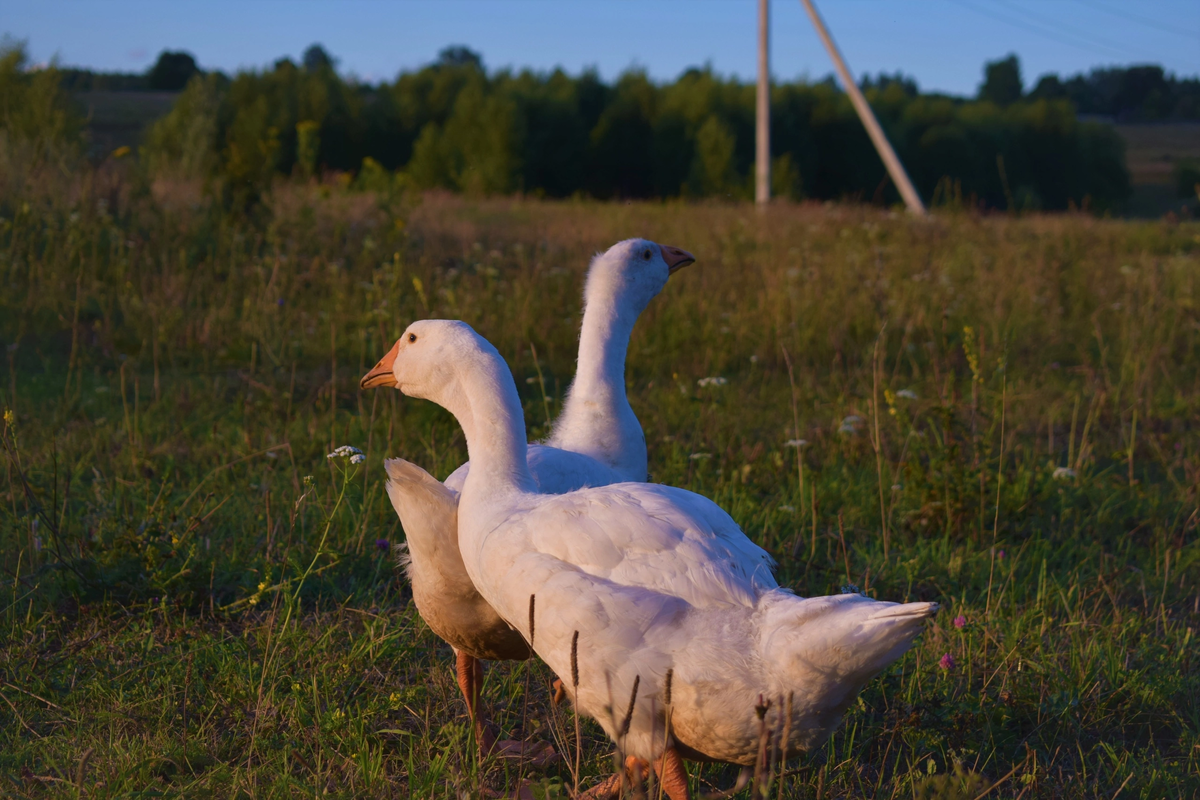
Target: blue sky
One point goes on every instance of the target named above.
(943, 43)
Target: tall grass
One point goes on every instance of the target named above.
(176, 375)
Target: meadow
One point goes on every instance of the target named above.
(996, 412)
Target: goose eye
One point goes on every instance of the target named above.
(646, 254)
(412, 337)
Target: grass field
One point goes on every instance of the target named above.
(1000, 414)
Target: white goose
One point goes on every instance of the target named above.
(597, 440)
(656, 580)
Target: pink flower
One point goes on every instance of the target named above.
(1000, 554)
(960, 622)
(947, 662)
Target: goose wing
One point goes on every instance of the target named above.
(655, 538)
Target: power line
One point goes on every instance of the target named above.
(1150, 23)
(1056, 35)
(1054, 24)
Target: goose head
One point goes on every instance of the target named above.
(631, 273)
(428, 360)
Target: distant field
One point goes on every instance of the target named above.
(1152, 152)
(177, 374)
(117, 119)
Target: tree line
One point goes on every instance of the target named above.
(453, 124)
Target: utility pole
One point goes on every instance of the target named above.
(762, 163)
(882, 145)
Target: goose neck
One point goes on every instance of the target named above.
(493, 421)
(603, 346)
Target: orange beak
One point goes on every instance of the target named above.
(676, 258)
(381, 373)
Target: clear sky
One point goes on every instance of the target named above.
(943, 43)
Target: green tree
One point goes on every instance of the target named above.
(172, 71)
(1002, 81)
(713, 172)
(315, 59)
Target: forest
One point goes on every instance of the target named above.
(456, 125)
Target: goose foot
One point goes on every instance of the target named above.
(670, 770)
(607, 789)
(536, 754)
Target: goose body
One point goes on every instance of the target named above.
(597, 440)
(655, 580)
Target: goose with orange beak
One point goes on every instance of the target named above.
(597, 440)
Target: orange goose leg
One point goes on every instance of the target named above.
(470, 681)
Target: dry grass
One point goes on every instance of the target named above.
(176, 372)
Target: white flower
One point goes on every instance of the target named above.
(1063, 473)
(907, 394)
(357, 458)
(345, 451)
(795, 443)
(787, 508)
(850, 424)
(711, 382)
(700, 456)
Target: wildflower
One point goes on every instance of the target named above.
(851, 588)
(382, 545)
(711, 382)
(787, 508)
(946, 662)
(896, 487)
(797, 443)
(1000, 555)
(357, 458)
(1063, 473)
(9, 417)
(960, 622)
(907, 394)
(279, 302)
(700, 456)
(308, 480)
(344, 451)
(850, 424)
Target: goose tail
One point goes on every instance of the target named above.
(823, 650)
(422, 503)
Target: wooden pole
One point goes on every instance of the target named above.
(884, 148)
(762, 171)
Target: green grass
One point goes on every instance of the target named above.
(186, 612)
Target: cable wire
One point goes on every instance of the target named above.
(1056, 35)
(1150, 23)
